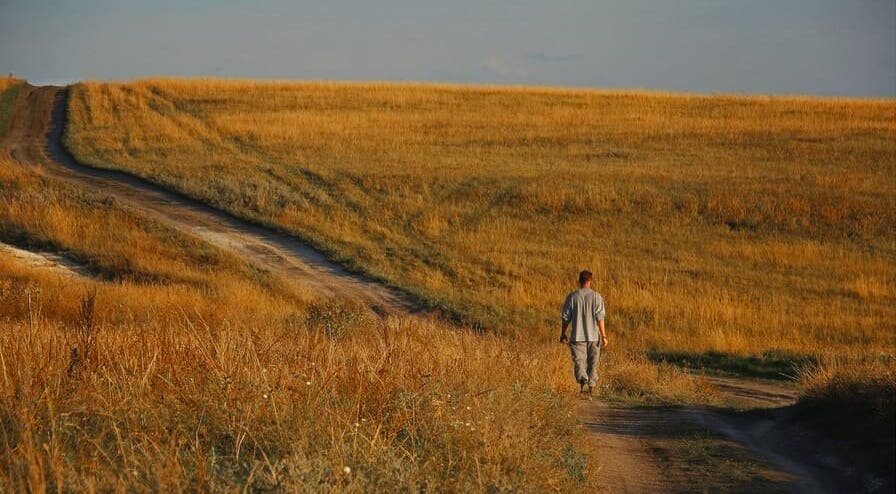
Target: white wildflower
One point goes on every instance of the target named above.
(347, 470)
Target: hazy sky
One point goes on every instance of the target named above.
(839, 47)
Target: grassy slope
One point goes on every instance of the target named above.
(737, 225)
(206, 374)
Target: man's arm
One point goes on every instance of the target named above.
(566, 317)
(599, 313)
(564, 338)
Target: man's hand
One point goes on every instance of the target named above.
(564, 338)
(604, 341)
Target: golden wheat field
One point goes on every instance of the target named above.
(725, 224)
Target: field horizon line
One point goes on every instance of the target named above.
(648, 92)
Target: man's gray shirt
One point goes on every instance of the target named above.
(582, 309)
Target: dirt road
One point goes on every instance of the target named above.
(34, 138)
(762, 428)
(44, 261)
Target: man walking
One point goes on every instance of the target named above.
(583, 310)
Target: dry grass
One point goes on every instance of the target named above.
(738, 225)
(174, 407)
(718, 227)
(192, 371)
(204, 374)
(727, 224)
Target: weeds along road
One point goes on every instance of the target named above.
(34, 138)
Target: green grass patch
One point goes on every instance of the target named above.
(771, 364)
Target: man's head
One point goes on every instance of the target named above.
(585, 278)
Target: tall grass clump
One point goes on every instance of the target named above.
(190, 406)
